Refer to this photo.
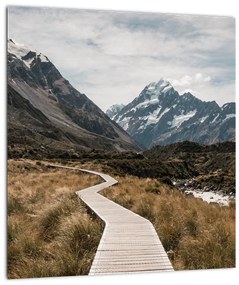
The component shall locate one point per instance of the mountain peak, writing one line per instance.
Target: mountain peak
(46, 110)
(162, 86)
(19, 50)
(159, 115)
(155, 92)
(27, 55)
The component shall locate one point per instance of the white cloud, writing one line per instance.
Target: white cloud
(196, 80)
(185, 81)
(111, 56)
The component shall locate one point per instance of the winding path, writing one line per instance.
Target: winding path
(129, 243)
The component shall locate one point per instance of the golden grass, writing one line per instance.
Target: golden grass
(50, 232)
(197, 235)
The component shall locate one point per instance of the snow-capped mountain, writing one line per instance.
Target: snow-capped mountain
(27, 55)
(159, 115)
(44, 108)
(114, 110)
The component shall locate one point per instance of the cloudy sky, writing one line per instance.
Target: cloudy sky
(111, 56)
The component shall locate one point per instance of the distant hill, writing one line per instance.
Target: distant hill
(175, 149)
(210, 166)
(202, 158)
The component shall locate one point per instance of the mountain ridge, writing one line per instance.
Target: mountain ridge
(36, 79)
(159, 115)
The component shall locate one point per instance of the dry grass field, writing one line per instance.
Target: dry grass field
(197, 235)
(50, 232)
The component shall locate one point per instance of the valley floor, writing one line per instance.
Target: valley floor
(196, 235)
(63, 235)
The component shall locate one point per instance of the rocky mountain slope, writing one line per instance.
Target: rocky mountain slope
(114, 110)
(159, 115)
(44, 109)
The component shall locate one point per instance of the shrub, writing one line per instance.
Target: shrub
(49, 222)
(153, 190)
(166, 180)
(145, 209)
(14, 205)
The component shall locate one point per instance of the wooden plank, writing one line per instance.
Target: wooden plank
(129, 243)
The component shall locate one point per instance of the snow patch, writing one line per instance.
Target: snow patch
(214, 120)
(152, 119)
(224, 106)
(43, 58)
(20, 51)
(162, 86)
(203, 119)
(228, 116)
(17, 49)
(164, 112)
(163, 83)
(178, 120)
(151, 86)
(28, 62)
(167, 88)
(147, 103)
(124, 123)
(142, 128)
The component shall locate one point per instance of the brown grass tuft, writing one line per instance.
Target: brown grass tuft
(50, 232)
(199, 235)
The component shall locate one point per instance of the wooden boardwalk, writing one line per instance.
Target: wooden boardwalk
(129, 243)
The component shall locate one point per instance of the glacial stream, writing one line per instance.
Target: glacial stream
(211, 197)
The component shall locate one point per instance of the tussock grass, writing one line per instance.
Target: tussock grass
(50, 232)
(198, 235)
(80, 239)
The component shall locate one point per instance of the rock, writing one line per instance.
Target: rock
(189, 194)
(171, 254)
(213, 203)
